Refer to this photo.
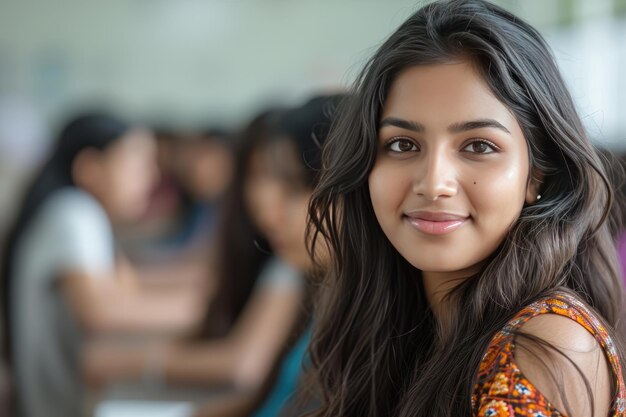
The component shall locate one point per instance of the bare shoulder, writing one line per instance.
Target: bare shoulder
(562, 332)
(566, 363)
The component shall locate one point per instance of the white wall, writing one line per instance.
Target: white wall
(193, 59)
(188, 59)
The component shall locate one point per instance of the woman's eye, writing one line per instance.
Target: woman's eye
(480, 147)
(402, 145)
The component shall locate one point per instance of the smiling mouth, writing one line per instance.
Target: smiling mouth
(435, 223)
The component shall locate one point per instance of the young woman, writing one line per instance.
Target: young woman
(262, 259)
(62, 279)
(473, 271)
(281, 170)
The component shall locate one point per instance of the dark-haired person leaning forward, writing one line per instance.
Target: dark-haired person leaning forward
(63, 279)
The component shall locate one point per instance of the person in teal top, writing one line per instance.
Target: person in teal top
(288, 379)
(283, 171)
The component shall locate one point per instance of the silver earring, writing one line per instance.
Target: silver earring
(538, 196)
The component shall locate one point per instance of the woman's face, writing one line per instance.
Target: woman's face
(128, 173)
(452, 170)
(206, 168)
(277, 200)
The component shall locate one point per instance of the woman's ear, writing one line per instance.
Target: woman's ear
(533, 188)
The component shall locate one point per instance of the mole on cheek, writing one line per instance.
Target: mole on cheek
(474, 182)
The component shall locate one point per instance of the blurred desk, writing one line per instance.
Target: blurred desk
(138, 400)
(119, 408)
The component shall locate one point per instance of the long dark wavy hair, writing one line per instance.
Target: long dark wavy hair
(377, 349)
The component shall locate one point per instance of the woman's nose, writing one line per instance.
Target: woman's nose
(436, 176)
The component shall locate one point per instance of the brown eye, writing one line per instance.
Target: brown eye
(402, 145)
(480, 147)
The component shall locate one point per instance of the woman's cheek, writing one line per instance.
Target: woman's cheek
(497, 196)
(388, 187)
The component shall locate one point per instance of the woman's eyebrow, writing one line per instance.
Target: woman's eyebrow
(402, 124)
(477, 124)
(454, 128)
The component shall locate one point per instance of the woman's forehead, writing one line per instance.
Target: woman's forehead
(444, 94)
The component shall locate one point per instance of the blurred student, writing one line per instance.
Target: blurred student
(205, 166)
(258, 309)
(196, 170)
(173, 244)
(304, 130)
(62, 278)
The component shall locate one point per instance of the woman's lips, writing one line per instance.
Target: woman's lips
(435, 223)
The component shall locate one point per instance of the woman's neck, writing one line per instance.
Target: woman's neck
(437, 285)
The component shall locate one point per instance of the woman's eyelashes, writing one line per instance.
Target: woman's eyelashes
(481, 147)
(401, 144)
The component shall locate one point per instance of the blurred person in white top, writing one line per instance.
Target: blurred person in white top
(63, 279)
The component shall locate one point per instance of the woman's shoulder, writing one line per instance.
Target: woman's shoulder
(63, 214)
(72, 208)
(542, 359)
(279, 275)
(72, 198)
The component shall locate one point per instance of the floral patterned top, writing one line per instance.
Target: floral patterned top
(502, 390)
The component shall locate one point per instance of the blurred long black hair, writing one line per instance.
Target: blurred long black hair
(93, 130)
(241, 249)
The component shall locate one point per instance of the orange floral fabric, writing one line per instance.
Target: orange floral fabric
(502, 390)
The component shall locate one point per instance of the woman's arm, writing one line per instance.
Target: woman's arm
(244, 358)
(100, 287)
(105, 304)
